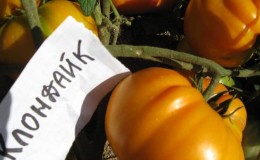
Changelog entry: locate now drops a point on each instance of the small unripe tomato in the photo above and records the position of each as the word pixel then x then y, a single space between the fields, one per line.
pixel 142 6
pixel 9 7
pixel 223 31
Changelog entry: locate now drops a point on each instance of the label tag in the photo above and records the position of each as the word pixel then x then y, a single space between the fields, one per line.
pixel 56 94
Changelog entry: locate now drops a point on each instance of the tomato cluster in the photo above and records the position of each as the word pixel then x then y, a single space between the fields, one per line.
pixel 153 118
pixel 157 113
pixel 217 30
pixel 16 42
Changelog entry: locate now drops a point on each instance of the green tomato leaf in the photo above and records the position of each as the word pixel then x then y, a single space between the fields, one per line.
pixel 87 6
pixel 227 81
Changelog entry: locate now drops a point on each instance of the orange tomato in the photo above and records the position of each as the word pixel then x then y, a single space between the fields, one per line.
pixel 221 30
pixel 9 7
pixel 142 6
pixel 16 42
pixel 156 114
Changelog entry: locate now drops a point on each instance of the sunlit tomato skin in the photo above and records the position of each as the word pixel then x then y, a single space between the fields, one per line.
pixel 223 31
pixel 236 115
pixel 156 114
pixel 9 7
pixel 16 44
pixel 53 13
pixel 142 6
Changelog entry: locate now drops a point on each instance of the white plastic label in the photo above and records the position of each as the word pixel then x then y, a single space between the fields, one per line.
pixel 56 94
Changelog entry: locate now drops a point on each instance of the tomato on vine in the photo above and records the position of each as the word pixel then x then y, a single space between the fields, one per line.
pixel 156 114
pixel 16 42
pixel 221 30
pixel 9 7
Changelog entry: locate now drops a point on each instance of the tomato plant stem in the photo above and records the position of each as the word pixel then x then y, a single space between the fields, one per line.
pixel 110 28
pixel 184 60
pixel 166 56
pixel 249 72
pixel 114 9
pixel 208 92
pixel 34 22
pixel 103 26
pixel 97 14
pixel 106 8
pixel 115 28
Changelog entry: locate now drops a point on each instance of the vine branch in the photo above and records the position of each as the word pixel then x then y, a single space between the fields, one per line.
pixel 185 60
pixel 31 12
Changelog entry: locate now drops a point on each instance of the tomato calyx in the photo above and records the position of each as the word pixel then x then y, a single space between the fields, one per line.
pixel 231 109
pixel 232 113
pixel 222 107
pixel 225 101
pixel 219 107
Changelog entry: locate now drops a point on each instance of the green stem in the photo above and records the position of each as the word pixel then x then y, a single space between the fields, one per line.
pixel 247 72
pixel 97 14
pixel 104 34
pixel 34 22
pixel 209 90
pixel 184 61
pixel 162 55
pixel 106 8
pixel 115 30
pixel 116 13
pixel 103 28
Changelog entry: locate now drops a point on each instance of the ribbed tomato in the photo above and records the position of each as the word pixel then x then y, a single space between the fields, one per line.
pixel 156 114
pixel 222 30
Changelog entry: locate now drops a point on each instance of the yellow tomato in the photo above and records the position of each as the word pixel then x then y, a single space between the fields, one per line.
pixel 9 7
pixel 16 44
pixel 56 11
